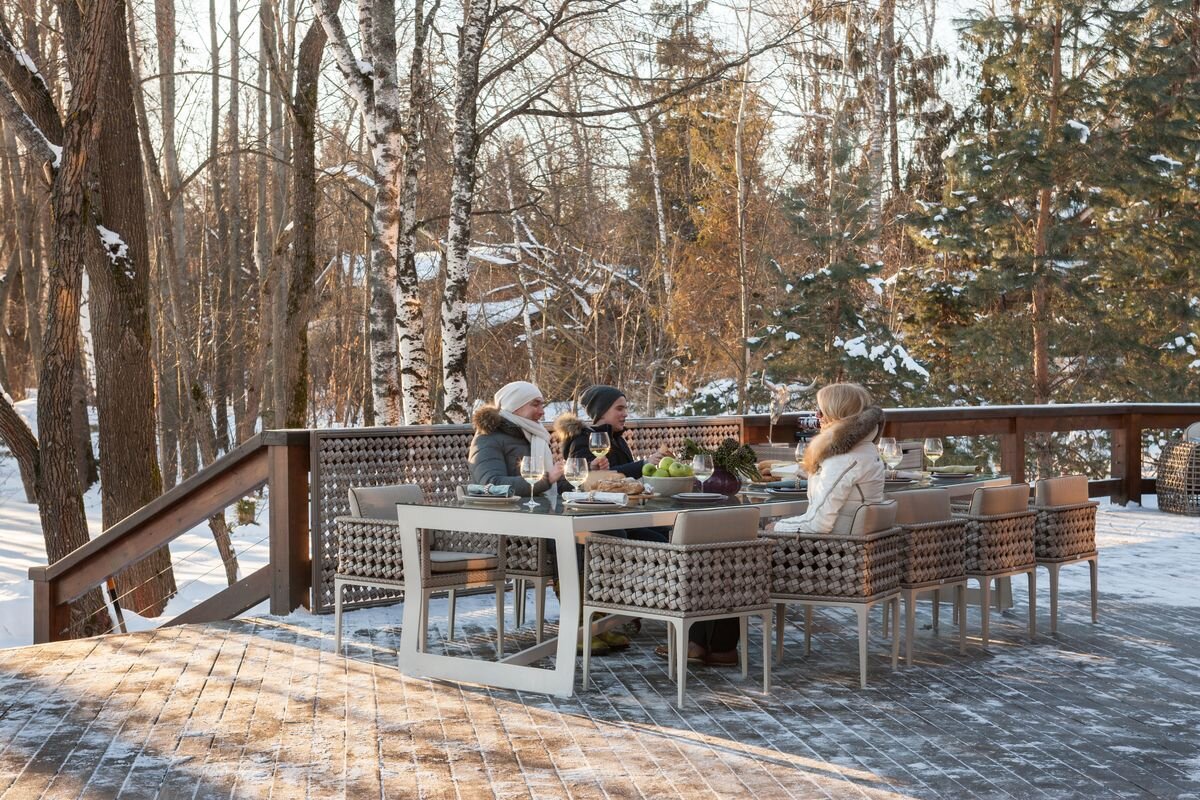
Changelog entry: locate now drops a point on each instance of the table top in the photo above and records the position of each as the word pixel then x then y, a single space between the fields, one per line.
pixel 655 510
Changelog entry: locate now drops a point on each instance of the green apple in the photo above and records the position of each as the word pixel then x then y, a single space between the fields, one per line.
pixel 666 462
pixel 678 470
pixel 661 473
pixel 687 470
pixel 648 470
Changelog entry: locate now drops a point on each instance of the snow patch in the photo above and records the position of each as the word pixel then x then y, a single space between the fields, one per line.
pixel 114 246
pixel 1084 130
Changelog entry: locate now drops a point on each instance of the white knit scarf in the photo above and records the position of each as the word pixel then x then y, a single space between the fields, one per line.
pixel 508 399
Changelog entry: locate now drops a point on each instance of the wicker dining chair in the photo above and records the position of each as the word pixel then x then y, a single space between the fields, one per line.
pixel 1065 533
pixel 856 565
pixel 369 555
pixel 712 568
pixel 999 543
pixel 934 558
pixel 528 564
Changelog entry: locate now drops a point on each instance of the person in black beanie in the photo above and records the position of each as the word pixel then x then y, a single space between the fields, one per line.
pixel 608 409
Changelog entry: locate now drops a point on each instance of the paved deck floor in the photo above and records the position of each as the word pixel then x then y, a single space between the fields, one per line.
pixel 265 708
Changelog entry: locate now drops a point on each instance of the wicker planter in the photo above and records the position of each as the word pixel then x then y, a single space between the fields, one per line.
pixel 934 551
pixel 1063 532
pixel 819 565
pixel 1178 483
pixel 677 579
pixel 1000 543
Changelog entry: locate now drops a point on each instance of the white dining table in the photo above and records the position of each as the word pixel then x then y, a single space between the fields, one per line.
pixel 565 527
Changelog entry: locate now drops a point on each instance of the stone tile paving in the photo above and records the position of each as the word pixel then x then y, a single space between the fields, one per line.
pixel 265 708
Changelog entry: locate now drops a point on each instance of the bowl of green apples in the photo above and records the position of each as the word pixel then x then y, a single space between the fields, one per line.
pixel 669 477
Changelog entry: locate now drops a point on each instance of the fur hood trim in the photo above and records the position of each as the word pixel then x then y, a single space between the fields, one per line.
pixel 568 426
pixel 487 419
pixel 843 436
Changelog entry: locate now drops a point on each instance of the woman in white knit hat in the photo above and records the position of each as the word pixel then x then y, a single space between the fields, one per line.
pixel 506 431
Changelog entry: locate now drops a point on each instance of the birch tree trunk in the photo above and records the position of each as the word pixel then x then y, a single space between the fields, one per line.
pixel 743 265
pixel 456 401
pixel 410 318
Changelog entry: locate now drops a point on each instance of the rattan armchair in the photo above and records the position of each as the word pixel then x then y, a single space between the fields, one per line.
pixel 1065 533
pixel 712 568
pixel 934 558
pixel 1178 481
pixel 369 555
pixel 999 543
pixel 857 565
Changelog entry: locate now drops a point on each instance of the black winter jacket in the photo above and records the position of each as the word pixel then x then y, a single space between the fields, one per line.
pixel 573 435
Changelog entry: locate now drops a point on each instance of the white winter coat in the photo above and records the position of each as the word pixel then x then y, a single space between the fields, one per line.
pixel 856 476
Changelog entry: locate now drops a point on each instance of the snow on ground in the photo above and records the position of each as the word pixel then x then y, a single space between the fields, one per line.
pixel 1145 556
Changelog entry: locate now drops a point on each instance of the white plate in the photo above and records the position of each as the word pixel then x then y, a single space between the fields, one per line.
pixel 490 500
pixel 591 505
pixel 952 476
pixel 698 497
pixel 789 491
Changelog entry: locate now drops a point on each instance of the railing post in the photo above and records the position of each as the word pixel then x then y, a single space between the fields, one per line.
pixel 288 461
pixel 1127 459
pixel 50 620
pixel 1012 450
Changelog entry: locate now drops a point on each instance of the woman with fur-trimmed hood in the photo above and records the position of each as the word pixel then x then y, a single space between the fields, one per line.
pixel 506 431
pixel 842 462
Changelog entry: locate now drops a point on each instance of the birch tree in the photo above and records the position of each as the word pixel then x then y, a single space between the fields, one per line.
pixel 400 375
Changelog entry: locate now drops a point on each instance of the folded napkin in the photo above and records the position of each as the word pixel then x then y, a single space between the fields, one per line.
pixel 620 498
pixel 488 490
pixel 783 470
pixel 951 469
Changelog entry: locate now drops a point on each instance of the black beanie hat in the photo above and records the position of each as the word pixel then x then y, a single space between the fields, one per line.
pixel 599 399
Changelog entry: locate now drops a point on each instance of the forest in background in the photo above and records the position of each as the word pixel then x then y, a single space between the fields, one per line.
pixel 221 219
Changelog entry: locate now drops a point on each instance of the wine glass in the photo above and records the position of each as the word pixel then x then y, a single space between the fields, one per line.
pixel 891 454
pixel 599 444
pixel 575 470
pixel 533 468
pixel 801 446
pixel 702 468
pixel 933 451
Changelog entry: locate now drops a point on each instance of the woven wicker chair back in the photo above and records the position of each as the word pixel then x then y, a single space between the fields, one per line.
pixel 1192 433
pixel 922 505
pixel 998 500
pixel 1178 483
pixel 717 525
pixel 379 502
pixel 1068 490
pixel 434 457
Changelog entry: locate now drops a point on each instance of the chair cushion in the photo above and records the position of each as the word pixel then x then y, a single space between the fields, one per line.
pixel 859 519
pixel 1069 490
pixel 922 505
pixel 717 525
pixel 379 502
pixel 997 500
pixel 449 561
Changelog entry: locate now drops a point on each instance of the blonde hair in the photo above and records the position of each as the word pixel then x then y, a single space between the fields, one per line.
pixel 838 402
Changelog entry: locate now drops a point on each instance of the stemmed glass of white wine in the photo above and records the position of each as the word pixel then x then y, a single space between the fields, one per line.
pixel 702 468
pixel 575 470
pixel 599 444
pixel 933 450
pixel 890 452
pixel 533 468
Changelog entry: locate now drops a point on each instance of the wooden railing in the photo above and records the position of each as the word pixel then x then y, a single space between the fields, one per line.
pixel 1124 421
pixel 281 460
pixel 278 459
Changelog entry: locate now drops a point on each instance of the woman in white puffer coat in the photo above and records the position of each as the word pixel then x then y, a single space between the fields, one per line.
pixel 842 462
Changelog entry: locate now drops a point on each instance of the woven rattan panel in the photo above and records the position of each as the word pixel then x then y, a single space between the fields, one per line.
pixel 1178 483
pixel 677 579
pixel 435 458
pixel 934 551
pixel 1065 533
pixel 997 544
pixel 849 567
